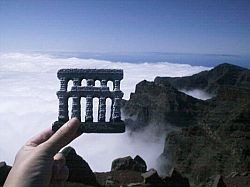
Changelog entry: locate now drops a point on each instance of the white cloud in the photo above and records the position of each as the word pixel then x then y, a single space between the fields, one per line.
pixel 198 93
pixel 29 104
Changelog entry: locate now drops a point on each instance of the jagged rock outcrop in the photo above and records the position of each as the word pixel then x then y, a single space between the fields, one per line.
pixel 79 170
pixel 160 104
pixel 219 182
pixel 152 178
pixel 141 163
pixel 127 163
pixel 214 138
pixel 176 179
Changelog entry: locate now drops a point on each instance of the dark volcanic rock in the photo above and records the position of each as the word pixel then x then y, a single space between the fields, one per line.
pixel 220 141
pixel 79 170
pixel 4 171
pixel 119 177
pixel 127 163
pixel 200 152
pixel 176 179
pixel 160 104
pixel 151 177
pixel 214 135
pixel 237 179
pixel 218 182
pixel 142 166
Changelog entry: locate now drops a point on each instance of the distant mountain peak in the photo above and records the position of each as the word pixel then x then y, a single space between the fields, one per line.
pixel 211 81
pixel 228 66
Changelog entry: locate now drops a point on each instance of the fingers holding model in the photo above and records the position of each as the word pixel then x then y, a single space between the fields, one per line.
pixel 38 164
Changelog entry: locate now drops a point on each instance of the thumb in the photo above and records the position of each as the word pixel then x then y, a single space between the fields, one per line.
pixel 63 136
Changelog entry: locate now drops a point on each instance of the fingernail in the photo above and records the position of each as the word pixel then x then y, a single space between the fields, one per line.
pixel 75 119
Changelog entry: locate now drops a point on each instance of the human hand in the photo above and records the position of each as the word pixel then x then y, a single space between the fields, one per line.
pixel 38 163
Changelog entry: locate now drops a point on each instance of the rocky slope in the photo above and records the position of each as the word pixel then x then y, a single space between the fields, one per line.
pixel 219 143
pixel 214 137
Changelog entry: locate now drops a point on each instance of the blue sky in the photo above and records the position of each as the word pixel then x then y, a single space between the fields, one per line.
pixel 181 26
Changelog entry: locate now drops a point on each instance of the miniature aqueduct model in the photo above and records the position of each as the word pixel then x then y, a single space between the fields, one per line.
pixel 90 91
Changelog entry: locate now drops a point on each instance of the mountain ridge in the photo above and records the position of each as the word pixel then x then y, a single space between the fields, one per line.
pixel 214 138
pixel 210 81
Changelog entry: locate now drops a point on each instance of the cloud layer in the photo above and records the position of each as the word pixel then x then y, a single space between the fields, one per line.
pixel 198 93
pixel 28 84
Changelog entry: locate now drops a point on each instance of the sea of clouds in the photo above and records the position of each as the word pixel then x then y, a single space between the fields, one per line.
pixel 28 86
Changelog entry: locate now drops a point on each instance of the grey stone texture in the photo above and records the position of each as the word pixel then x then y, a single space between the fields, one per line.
pixel 91 91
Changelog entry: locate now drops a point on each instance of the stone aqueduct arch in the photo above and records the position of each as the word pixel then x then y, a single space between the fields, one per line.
pixel 90 91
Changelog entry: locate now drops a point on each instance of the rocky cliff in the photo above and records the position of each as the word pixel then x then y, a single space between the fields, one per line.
pixel 158 104
pixel 214 135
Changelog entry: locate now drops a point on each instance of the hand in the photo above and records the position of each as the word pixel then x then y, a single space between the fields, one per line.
pixel 38 163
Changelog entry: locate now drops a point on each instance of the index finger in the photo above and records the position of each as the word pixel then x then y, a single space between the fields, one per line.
pixel 63 136
pixel 40 138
